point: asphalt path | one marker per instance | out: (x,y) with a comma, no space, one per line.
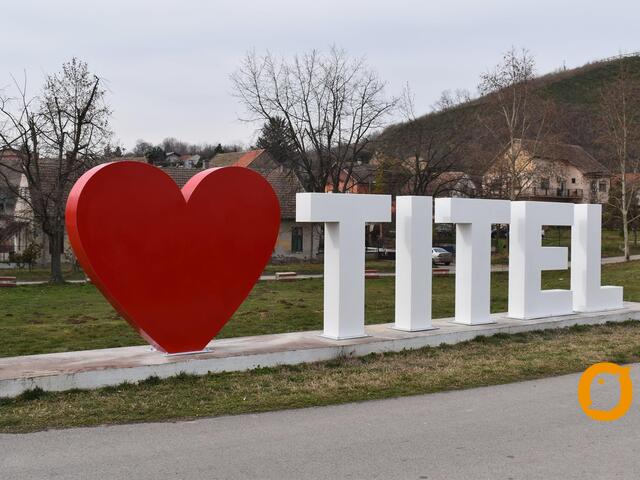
(529,430)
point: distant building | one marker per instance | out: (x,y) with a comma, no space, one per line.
(452,184)
(14,234)
(549,172)
(258,160)
(17,224)
(296,241)
(174,159)
(359,178)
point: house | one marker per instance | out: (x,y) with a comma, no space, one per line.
(175,159)
(359,178)
(13,225)
(548,172)
(452,184)
(632,181)
(296,241)
(259,160)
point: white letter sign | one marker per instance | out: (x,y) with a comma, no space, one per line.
(588,295)
(413,263)
(527,259)
(473,219)
(344,217)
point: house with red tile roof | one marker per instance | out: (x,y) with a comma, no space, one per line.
(296,241)
(259,160)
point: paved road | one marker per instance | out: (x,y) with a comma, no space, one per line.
(450,269)
(619,259)
(531,430)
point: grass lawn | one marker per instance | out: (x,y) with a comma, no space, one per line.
(38,319)
(43,274)
(612,243)
(318,268)
(40,274)
(47,318)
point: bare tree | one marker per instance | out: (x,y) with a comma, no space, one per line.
(518,119)
(619,120)
(330,104)
(56,136)
(427,147)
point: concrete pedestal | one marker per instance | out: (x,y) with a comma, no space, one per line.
(113,366)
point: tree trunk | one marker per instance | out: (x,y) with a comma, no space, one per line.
(55,242)
(625,233)
(625,211)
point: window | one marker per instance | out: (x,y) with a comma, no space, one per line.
(495,186)
(602,186)
(594,186)
(544,184)
(573,180)
(296,239)
(562,186)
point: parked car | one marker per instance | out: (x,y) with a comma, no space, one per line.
(451,248)
(441,256)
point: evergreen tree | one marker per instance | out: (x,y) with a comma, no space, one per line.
(277,140)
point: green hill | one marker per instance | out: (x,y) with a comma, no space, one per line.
(575,92)
(580,86)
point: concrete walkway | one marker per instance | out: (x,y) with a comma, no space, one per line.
(607,260)
(529,430)
(451,269)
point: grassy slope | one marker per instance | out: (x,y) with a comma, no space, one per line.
(580,86)
(576,90)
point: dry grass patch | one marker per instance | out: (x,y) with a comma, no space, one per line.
(484,361)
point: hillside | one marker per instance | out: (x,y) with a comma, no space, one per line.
(575,92)
(580,86)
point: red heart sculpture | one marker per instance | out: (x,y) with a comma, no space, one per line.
(175,264)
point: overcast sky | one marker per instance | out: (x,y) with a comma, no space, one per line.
(167,64)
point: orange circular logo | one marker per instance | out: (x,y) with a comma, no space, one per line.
(626,395)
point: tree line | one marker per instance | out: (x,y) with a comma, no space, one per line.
(157,153)
(322,114)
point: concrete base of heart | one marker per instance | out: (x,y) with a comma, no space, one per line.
(112,366)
